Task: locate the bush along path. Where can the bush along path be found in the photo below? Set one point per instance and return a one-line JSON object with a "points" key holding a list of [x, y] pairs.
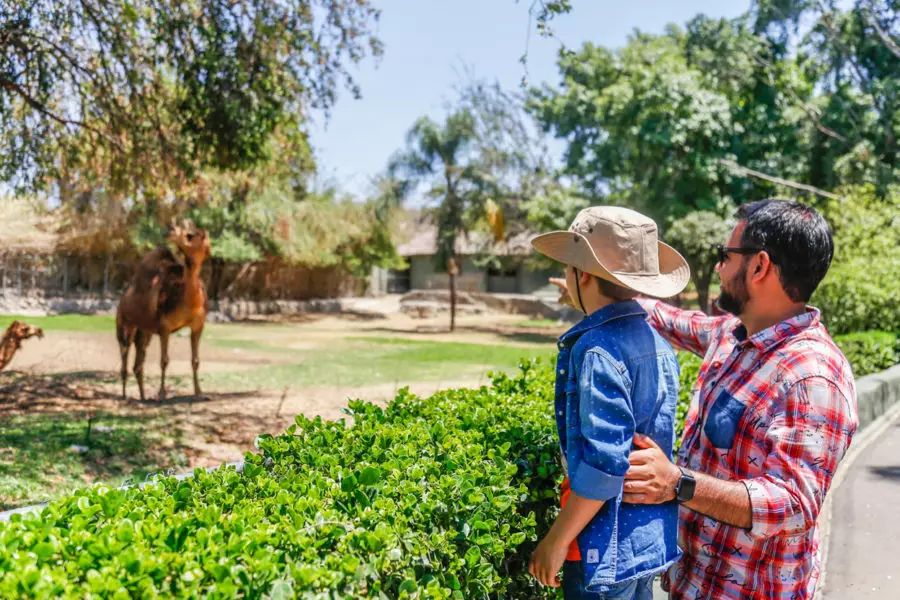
{"points": [[436, 498], [442, 497]]}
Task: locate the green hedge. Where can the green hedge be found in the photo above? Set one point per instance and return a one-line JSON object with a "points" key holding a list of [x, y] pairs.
{"points": [[870, 351], [436, 498], [861, 295]]}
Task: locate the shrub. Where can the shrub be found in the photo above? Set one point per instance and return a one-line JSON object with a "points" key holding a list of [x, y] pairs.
{"points": [[870, 351], [436, 498], [861, 295], [863, 284], [690, 369]]}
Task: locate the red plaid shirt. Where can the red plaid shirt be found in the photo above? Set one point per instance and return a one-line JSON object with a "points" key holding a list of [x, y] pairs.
{"points": [[775, 411]]}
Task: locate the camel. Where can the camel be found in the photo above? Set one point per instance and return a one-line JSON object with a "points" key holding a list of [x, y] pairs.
{"points": [[165, 295], [12, 340]]}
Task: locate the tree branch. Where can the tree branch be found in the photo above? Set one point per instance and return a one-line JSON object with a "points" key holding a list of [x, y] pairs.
{"points": [[778, 180], [885, 38], [42, 108]]}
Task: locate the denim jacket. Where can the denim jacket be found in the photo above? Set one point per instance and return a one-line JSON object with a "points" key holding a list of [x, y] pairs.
{"points": [[616, 376]]}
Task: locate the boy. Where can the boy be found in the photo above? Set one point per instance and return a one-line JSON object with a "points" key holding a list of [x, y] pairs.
{"points": [[615, 377]]}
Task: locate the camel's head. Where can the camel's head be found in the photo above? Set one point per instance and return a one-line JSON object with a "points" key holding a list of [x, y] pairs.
{"points": [[22, 331], [193, 242]]}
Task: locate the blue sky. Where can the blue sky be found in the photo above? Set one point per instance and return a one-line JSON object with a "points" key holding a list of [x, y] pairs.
{"points": [[430, 44]]}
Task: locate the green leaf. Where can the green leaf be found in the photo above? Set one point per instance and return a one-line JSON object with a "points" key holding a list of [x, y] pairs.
{"points": [[370, 476], [44, 550], [473, 556]]}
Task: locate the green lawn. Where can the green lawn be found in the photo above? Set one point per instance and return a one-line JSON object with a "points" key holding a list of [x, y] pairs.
{"points": [[355, 362], [345, 362], [37, 461], [81, 323], [541, 323]]}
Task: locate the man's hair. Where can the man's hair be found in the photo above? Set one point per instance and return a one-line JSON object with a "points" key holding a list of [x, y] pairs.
{"points": [[797, 239], [615, 291]]}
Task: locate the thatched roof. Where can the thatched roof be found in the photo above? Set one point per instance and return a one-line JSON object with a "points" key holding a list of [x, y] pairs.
{"points": [[25, 227]]}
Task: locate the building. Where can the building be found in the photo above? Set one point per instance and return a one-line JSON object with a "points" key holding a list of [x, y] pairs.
{"points": [[513, 275]]}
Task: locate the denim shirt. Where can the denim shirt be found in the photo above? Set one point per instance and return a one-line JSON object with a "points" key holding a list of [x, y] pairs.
{"points": [[616, 376]]}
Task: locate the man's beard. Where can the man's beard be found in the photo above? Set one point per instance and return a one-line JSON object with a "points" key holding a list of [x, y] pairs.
{"points": [[734, 301]]}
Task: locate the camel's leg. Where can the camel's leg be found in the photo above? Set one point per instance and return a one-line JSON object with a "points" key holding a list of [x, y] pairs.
{"points": [[126, 338], [195, 357], [163, 362], [141, 341]]}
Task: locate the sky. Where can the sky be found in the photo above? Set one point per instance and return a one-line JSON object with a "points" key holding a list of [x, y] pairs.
{"points": [[430, 45]]}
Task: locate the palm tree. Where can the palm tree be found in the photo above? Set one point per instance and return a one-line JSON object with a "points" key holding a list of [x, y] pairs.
{"points": [[442, 158]]}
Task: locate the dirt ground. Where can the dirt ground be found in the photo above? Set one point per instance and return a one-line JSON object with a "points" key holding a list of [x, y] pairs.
{"points": [[62, 373]]}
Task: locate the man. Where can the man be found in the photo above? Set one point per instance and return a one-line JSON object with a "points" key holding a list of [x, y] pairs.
{"points": [[773, 413]]}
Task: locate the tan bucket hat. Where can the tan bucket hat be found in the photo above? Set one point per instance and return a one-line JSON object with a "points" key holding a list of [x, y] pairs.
{"points": [[621, 246]]}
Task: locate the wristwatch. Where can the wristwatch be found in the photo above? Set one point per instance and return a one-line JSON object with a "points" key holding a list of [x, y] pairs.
{"points": [[684, 490]]}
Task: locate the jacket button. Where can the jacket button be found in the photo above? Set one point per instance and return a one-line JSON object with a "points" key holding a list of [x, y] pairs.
{"points": [[562, 371]]}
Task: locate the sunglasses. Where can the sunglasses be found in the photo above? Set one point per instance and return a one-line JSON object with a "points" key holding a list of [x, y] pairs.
{"points": [[724, 251]]}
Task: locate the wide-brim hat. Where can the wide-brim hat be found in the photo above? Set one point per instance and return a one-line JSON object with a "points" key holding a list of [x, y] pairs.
{"points": [[620, 245]]}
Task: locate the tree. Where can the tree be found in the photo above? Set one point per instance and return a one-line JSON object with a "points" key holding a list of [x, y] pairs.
{"points": [[440, 157], [481, 168], [696, 236], [144, 95], [660, 124]]}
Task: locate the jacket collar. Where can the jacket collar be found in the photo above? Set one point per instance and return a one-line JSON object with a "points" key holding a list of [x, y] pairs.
{"points": [[610, 312]]}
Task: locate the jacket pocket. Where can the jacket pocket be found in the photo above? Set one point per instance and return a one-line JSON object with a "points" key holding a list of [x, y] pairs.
{"points": [[723, 419]]}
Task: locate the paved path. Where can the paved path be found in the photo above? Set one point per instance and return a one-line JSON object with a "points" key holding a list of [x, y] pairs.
{"points": [[864, 552]]}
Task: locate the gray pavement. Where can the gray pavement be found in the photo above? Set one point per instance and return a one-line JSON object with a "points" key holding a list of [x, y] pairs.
{"points": [[864, 546]]}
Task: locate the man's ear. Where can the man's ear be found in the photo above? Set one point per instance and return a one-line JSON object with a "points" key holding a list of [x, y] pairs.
{"points": [[584, 278], [760, 266]]}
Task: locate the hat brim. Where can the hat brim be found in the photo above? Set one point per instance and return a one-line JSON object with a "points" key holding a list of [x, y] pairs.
{"points": [[572, 248]]}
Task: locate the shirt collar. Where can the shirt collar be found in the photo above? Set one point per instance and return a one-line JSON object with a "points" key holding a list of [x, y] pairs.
{"points": [[610, 312], [768, 338]]}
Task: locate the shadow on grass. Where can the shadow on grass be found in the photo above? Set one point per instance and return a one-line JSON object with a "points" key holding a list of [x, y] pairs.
{"points": [[28, 391], [44, 455], [191, 399]]}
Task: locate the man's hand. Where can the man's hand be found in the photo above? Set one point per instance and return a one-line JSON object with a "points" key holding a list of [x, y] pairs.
{"points": [[564, 297], [547, 560], [652, 477]]}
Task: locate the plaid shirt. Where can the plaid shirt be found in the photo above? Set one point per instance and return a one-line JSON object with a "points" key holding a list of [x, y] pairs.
{"points": [[775, 411]]}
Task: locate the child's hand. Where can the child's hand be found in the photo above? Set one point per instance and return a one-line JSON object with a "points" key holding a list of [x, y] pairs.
{"points": [[564, 297], [547, 560]]}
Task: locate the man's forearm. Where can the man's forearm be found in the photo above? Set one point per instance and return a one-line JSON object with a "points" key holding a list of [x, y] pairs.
{"points": [[725, 501]]}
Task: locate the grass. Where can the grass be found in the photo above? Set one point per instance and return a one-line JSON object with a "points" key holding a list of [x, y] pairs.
{"points": [[356, 362], [79, 323], [37, 461], [541, 324]]}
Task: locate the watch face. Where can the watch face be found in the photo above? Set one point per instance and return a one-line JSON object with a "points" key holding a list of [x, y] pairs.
{"points": [[685, 489]]}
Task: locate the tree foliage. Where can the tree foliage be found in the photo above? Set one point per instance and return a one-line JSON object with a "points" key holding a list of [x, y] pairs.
{"points": [[148, 94], [696, 236]]}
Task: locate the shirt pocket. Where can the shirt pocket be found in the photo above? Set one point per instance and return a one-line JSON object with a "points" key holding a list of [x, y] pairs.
{"points": [[723, 419]]}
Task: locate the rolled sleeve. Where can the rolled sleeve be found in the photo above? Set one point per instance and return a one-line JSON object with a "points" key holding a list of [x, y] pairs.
{"points": [[805, 444], [606, 427], [690, 330]]}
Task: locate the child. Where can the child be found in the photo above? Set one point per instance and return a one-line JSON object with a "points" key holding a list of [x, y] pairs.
{"points": [[615, 377]]}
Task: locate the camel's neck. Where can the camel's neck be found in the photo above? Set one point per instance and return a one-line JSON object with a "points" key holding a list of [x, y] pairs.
{"points": [[192, 286], [8, 349]]}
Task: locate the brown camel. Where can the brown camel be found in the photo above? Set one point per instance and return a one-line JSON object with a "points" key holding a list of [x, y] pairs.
{"points": [[165, 295], [12, 340]]}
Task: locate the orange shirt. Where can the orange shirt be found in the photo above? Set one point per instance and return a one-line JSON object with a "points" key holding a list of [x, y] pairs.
{"points": [[565, 490]]}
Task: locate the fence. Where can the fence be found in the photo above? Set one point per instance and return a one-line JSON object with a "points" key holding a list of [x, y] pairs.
{"points": [[68, 275]]}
